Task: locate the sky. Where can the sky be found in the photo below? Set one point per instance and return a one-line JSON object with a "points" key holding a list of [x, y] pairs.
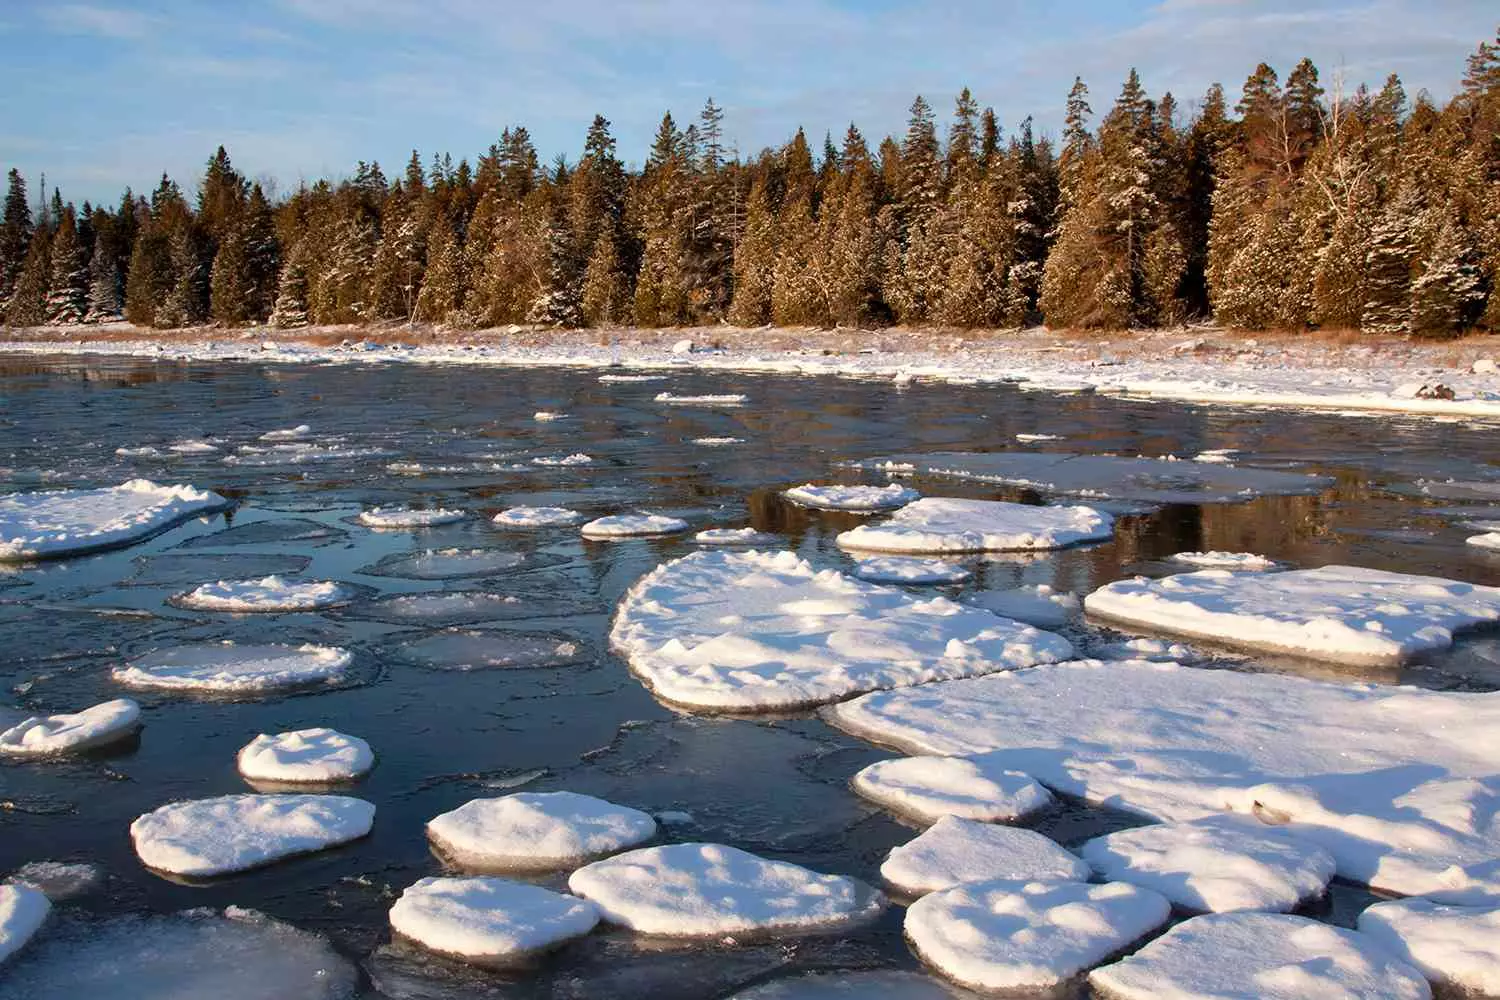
{"points": [[100, 95]]}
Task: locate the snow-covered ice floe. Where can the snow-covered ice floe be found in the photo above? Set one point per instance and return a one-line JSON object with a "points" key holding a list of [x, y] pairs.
{"points": [[1342, 613], [1454, 946], [710, 890], [451, 564], [633, 526], [537, 831], [288, 433], [856, 499], [300, 453], [631, 378], [1017, 935], [227, 667], [563, 461], [489, 920], [883, 984], [547, 416], [23, 910], [269, 594], [928, 788], [537, 517], [736, 536], [1489, 540], [759, 631], [1257, 955], [407, 517], [717, 442], [53, 524], [954, 851], [46, 735], [1219, 864], [318, 755], [900, 569], [241, 955], [474, 649], [723, 399], [942, 524], [1224, 560], [1035, 604], [233, 833]]}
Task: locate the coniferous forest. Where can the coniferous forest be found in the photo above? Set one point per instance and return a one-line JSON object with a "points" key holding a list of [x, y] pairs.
{"points": [[1290, 205]]}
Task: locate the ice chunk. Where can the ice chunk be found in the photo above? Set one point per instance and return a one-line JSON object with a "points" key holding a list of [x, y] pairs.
{"points": [[456, 607], [459, 649], [880, 984], [232, 668], [1143, 649], [717, 442], [736, 536], [305, 755], [287, 434], [193, 446], [547, 416], [631, 378], [1490, 540], [537, 517], [22, 912], [298, 531], [406, 517], [234, 833], [1015, 935], [57, 523], [537, 831], [1253, 956], [1454, 946], [1036, 604], [1029, 438], [1340, 613], [852, 498], [453, 564], [633, 525], [265, 595], [489, 920], [1215, 865], [58, 880], [900, 569], [755, 631], [929, 788], [723, 399], [954, 851], [44, 735], [1224, 560], [709, 890], [942, 524], [563, 461], [299, 453]]}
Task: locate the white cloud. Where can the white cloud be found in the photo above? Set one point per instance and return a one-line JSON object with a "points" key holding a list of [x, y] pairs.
{"points": [[92, 19]]}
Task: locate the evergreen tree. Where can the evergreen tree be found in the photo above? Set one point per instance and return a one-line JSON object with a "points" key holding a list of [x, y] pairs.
{"points": [[291, 309], [442, 294], [755, 261], [28, 301], [1448, 296], [68, 289], [15, 236], [106, 290]]}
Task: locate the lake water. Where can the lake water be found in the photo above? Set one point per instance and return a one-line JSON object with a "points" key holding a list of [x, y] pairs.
{"points": [[466, 438]]}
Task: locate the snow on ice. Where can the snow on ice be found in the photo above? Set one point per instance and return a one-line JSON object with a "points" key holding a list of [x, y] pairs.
{"points": [[929, 788], [942, 524], [724, 399], [717, 442], [547, 416], [954, 851], [57, 523], [268, 594], [856, 499], [305, 755], [563, 461], [633, 526], [45, 735], [1224, 560], [23, 910], [1035, 604], [1454, 946], [537, 831], [900, 569], [736, 536], [537, 517], [288, 434], [228, 667], [1489, 540], [234, 833], [489, 920], [405, 517]]}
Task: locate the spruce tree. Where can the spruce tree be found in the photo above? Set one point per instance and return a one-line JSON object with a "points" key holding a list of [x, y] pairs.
{"points": [[106, 289], [68, 288], [1448, 296], [28, 301], [755, 261], [443, 289], [15, 236], [291, 308]]}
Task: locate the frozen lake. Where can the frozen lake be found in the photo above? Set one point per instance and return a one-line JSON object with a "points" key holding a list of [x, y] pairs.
{"points": [[508, 682]]}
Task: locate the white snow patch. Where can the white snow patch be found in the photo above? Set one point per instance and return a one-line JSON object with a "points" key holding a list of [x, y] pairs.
{"points": [[537, 517], [266, 595], [852, 498], [724, 399], [1036, 604], [305, 755], [1144, 649], [547, 416], [44, 735], [489, 920], [233, 833], [563, 461], [193, 446], [1028, 438], [287, 434], [900, 569], [1455, 946], [1224, 560], [954, 851], [633, 525], [717, 442], [57, 523], [736, 536], [1489, 540], [401, 517], [929, 788], [23, 910], [299, 453], [631, 378], [537, 831], [943, 524], [233, 668]]}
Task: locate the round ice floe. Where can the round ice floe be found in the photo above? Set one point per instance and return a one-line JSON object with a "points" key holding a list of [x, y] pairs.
{"points": [[404, 517], [954, 851], [57, 523], [882, 984], [632, 525], [269, 594], [1013, 935], [42, 735], [1489, 540], [462, 649], [451, 564], [852, 498], [707, 890], [537, 831], [456, 607], [1454, 946], [233, 833], [57, 880], [736, 536], [537, 517], [1258, 955], [305, 755], [242, 955], [1224, 560], [489, 919], [22, 912], [899, 569], [1036, 604], [226, 667], [942, 524], [929, 788], [1215, 865]]}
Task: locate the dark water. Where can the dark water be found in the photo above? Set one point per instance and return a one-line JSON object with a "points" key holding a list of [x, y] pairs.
{"points": [[774, 787]]}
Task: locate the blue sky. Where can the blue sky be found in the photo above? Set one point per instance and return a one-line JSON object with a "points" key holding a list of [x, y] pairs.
{"points": [[108, 93]]}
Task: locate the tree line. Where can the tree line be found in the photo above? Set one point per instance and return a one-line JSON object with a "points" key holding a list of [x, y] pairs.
{"points": [[1302, 206]]}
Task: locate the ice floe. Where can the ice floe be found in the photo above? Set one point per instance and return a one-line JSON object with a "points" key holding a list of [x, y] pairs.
{"points": [[538, 517], [1035, 604], [233, 833], [929, 788], [633, 525], [489, 920], [710, 890], [563, 461], [23, 910], [900, 569], [462, 650], [57, 523], [268, 594], [852, 498], [406, 517], [537, 831], [547, 416], [1253, 956], [1224, 560], [1015, 935], [229, 667], [1489, 540], [883, 984], [1453, 946], [954, 851], [453, 564], [288, 433], [722, 399], [46, 735], [1030, 438], [300, 453], [459, 607], [943, 524], [736, 536], [755, 631], [58, 880], [1215, 865], [1342, 613], [717, 442], [318, 755], [631, 378]]}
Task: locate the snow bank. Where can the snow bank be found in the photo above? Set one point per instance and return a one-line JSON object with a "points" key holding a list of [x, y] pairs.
{"points": [[1259, 955], [954, 851], [490, 920], [44, 735], [941, 524], [929, 788], [1340, 613], [405, 517], [1035, 604], [1224, 560], [709, 890], [305, 755], [227, 667], [234, 833], [736, 536], [633, 525], [1014, 935], [57, 523], [852, 498], [269, 594], [537, 831], [23, 910], [899, 569], [537, 517], [1454, 946], [756, 631]]}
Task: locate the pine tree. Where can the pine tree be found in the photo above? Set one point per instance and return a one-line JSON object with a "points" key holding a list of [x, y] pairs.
{"points": [[15, 237], [1076, 144], [68, 288], [291, 309], [28, 301]]}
